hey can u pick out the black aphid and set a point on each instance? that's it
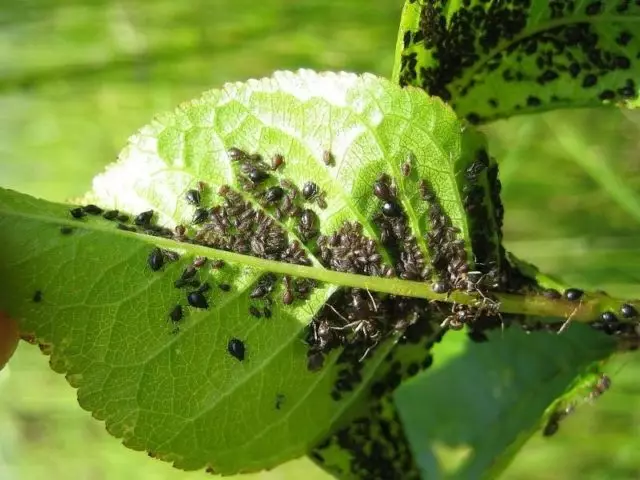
(264, 286)
(225, 287)
(391, 209)
(253, 310)
(608, 317)
(309, 190)
(257, 176)
(144, 218)
(92, 209)
(573, 294)
(273, 194)
(381, 190)
(176, 314)
(439, 287)
(628, 311)
(180, 231)
(277, 161)
(307, 224)
(405, 168)
(196, 299)
(37, 296)
(328, 158)
(199, 262)
(64, 230)
(192, 197)
(551, 293)
(126, 228)
(77, 213)
(215, 264)
(236, 348)
(237, 154)
(122, 217)
(155, 259)
(280, 399)
(199, 216)
(110, 214)
(315, 361)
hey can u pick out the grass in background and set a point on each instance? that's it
(76, 79)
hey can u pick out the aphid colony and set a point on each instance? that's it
(600, 386)
(357, 319)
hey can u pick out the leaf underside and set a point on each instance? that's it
(496, 59)
(171, 387)
(487, 400)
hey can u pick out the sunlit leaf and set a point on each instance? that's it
(167, 383)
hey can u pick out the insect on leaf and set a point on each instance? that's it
(211, 364)
(496, 59)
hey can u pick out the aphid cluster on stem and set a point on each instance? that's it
(349, 250)
(395, 234)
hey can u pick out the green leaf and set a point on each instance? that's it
(496, 59)
(174, 390)
(481, 401)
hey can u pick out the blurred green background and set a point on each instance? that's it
(78, 77)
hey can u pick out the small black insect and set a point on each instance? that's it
(315, 361)
(110, 214)
(199, 216)
(77, 213)
(126, 228)
(328, 158)
(257, 176)
(264, 286)
(628, 311)
(439, 287)
(273, 194)
(122, 217)
(287, 295)
(255, 312)
(180, 230)
(199, 262)
(391, 209)
(176, 314)
(573, 294)
(236, 348)
(266, 311)
(215, 264)
(92, 209)
(37, 296)
(309, 190)
(64, 230)
(553, 424)
(225, 287)
(307, 224)
(196, 299)
(192, 197)
(237, 154)
(382, 191)
(608, 317)
(144, 218)
(277, 161)
(405, 168)
(551, 293)
(280, 399)
(155, 259)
